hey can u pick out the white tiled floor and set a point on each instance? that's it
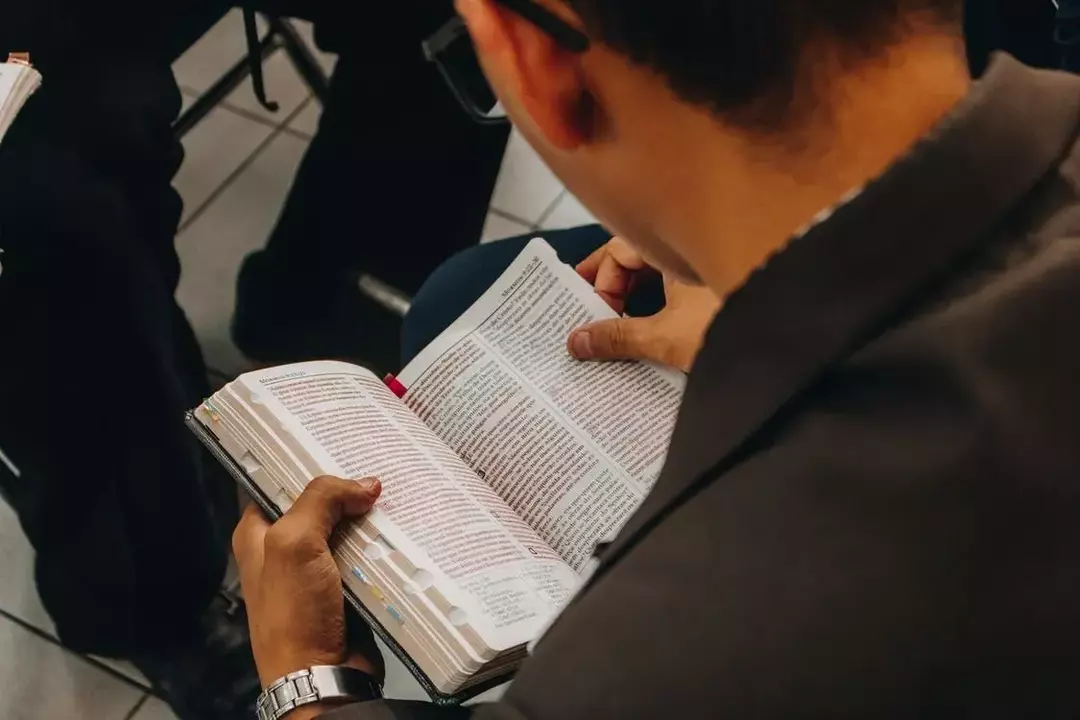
(239, 166)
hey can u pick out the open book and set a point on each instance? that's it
(504, 462)
(18, 81)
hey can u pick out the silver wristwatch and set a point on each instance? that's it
(316, 684)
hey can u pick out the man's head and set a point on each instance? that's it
(673, 88)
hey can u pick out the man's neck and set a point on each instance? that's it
(754, 196)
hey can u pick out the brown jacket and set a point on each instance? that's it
(872, 503)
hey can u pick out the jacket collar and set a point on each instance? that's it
(834, 288)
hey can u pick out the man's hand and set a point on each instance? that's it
(671, 337)
(292, 588)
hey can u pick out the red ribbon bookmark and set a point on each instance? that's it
(395, 386)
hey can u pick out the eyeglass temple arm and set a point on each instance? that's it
(444, 37)
(565, 34)
(569, 37)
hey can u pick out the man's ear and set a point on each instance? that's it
(544, 80)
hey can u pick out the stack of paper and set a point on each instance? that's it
(18, 81)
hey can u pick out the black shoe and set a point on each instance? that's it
(213, 678)
(283, 316)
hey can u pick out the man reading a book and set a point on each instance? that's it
(871, 503)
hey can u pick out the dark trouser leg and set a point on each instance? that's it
(393, 148)
(1022, 28)
(461, 280)
(393, 145)
(981, 33)
(1068, 34)
(98, 363)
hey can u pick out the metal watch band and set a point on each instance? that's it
(318, 683)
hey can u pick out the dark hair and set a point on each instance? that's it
(742, 59)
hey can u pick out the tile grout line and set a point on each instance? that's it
(511, 217)
(42, 635)
(299, 134)
(138, 706)
(231, 178)
(550, 210)
(41, 632)
(235, 109)
(256, 118)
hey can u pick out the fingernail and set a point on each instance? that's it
(368, 485)
(581, 346)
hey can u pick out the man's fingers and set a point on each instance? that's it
(611, 270)
(619, 339)
(249, 531)
(247, 542)
(625, 254)
(613, 283)
(324, 503)
(588, 267)
(327, 500)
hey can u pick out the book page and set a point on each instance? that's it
(17, 82)
(434, 510)
(573, 447)
(10, 73)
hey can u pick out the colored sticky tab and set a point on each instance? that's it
(395, 386)
(214, 416)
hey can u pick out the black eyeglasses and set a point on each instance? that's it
(452, 51)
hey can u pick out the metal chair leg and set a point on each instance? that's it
(302, 58)
(221, 89)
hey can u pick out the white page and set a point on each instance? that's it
(573, 447)
(434, 510)
(9, 76)
(17, 83)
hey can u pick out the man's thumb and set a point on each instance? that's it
(618, 339)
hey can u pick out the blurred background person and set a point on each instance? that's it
(128, 518)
